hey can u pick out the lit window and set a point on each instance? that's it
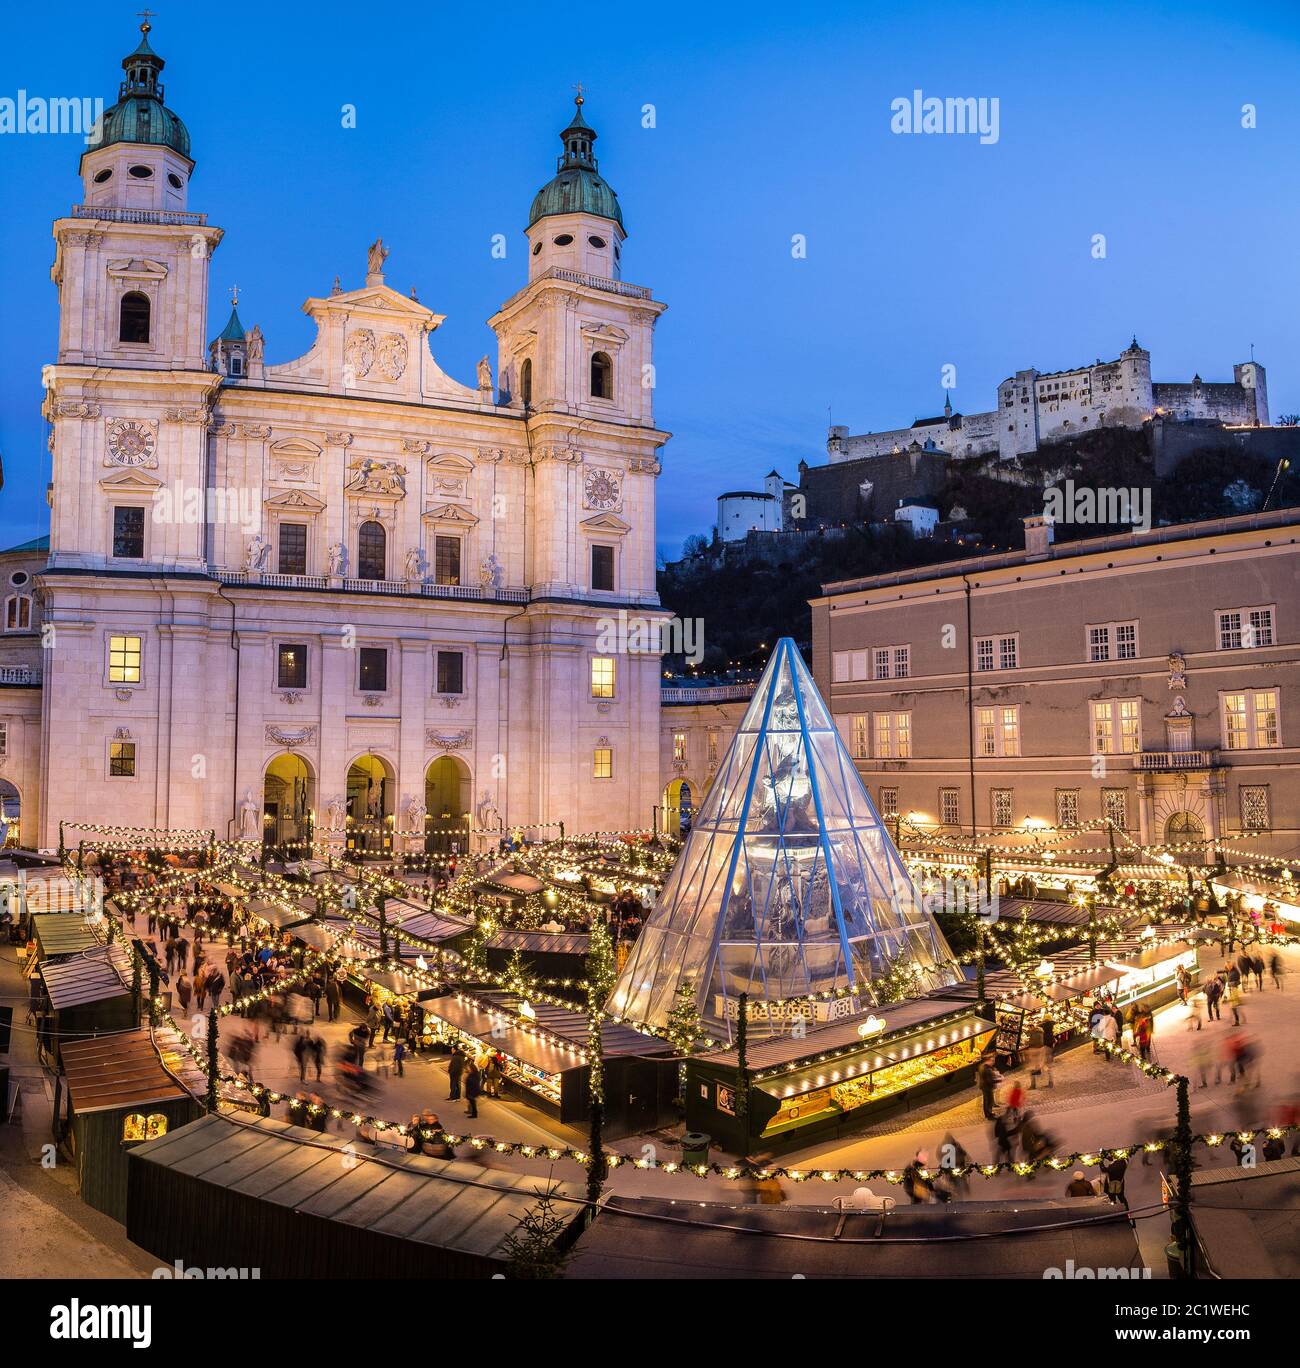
(602, 677)
(679, 747)
(889, 802)
(291, 666)
(860, 737)
(121, 759)
(713, 748)
(1250, 720)
(893, 736)
(602, 763)
(124, 660)
(1116, 726)
(998, 731)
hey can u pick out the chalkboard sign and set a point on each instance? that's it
(1011, 1023)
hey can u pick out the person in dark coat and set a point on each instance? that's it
(1113, 1186)
(455, 1071)
(473, 1086)
(333, 997)
(986, 1076)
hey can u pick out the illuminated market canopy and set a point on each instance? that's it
(788, 885)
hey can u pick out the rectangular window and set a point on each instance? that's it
(679, 747)
(602, 567)
(121, 759)
(1254, 807)
(1098, 643)
(998, 731)
(1250, 720)
(602, 763)
(713, 748)
(902, 661)
(602, 677)
(889, 802)
(1008, 652)
(128, 533)
(1116, 726)
(881, 670)
(893, 736)
(1004, 807)
(18, 613)
(950, 807)
(997, 652)
(372, 675)
(124, 660)
(848, 666)
(4, 739)
(451, 672)
(984, 653)
(1243, 629)
(860, 737)
(1114, 806)
(446, 560)
(291, 666)
(293, 549)
(1067, 807)
(1126, 641)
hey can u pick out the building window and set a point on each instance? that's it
(893, 736)
(133, 317)
(998, 730)
(849, 666)
(124, 660)
(889, 802)
(291, 666)
(446, 560)
(1250, 720)
(602, 677)
(18, 613)
(950, 806)
(984, 653)
(236, 365)
(1116, 726)
(526, 380)
(1245, 628)
(602, 763)
(1004, 807)
(602, 567)
(602, 376)
(372, 551)
(679, 747)
(860, 737)
(890, 662)
(1114, 806)
(1112, 641)
(4, 740)
(451, 672)
(713, 748)
(121, 759)
(372, 674)
(1254, 807)
(139, 1127)
(1067, 807)
(128, 533)
(293, 549)
(997, 652)
(1126, 641)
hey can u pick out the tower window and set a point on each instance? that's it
(372, 543)
(602, 567)
(564, 239)
(236, 365)
(597, 242)
(526, 380)
(174, 180)
(602, 377)
(133, 317)
(128, 533)
(140, 172)
(537, 247)
(102, 176)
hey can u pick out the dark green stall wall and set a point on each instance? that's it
(101, 1152)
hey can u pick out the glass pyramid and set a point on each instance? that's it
(788, 884)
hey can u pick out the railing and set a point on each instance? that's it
(708, 693)
(110, 215)
(19, 674)
(374, 586)
(1176, 760)
(617, 287)
(474, 591)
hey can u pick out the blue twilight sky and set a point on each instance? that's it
(772, 120)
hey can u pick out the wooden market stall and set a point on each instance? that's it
(550, 954)
(83, 995)
(121, 1090)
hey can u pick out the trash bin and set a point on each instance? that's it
(695, 1147)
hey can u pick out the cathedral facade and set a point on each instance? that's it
(346, 596)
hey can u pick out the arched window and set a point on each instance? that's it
(133, 322)
(526, 381)
(371, 549)
(18, 613)
(602, 376)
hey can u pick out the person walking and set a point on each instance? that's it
(1202, 1054)
(300, 1054)
(1213, 994)
(1234, 1001)
(183, 990)
(317, 1047)
(1276, 969)
(333, 997)
(473, 1086)
(455, 1072)
(1079, 1186)
(1143, 1029)
(360, 1037)
(1004, 1138)
(1257, 968)
(214, 983)
(1113, 1184)
(1244, 967)
(399, 1057)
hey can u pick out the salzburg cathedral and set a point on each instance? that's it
(347, 593)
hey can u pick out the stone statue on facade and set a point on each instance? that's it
(248, 817)
(258, 556)
(1177, 663)
(415, 564)
(485, 375)
(337, 556)
(491, 572)
(336, 812)
(379, 477)
(487, 812)
(376, 256)
(415, 814)
(255, 343)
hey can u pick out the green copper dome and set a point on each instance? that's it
(576, 189)
(139, 116)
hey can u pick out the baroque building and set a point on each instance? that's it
(346, 593)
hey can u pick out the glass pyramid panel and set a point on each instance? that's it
(788, 884)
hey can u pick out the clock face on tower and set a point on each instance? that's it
(602, 489)
(132, 442)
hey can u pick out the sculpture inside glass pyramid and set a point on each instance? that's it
(788, 885)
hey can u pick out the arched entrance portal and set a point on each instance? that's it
(1184, 826)
(447, 797)
(372, 790)
(678, 808)
(288, 801)
(11, 805)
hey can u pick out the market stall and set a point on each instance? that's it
(839, 1076)
(544, 1052)
(551, 954)
(84, 995)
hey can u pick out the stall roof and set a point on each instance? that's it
(314, 936)
(777, 1051)
(652, 1237)
(93, 976)
(1058, 913)
(1248, 1220)
(126, 1070)
(542, 942)
(418, 921)
(506, 1033)
(447, 1204)
(280, 917)
(62, 933)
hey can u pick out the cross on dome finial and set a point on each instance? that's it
(146, 15)
(234, 294)
(578, 99)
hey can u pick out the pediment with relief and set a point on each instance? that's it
(609, 524)
(450, 513)
(137, 268)
(295, 500)
(130, 482)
